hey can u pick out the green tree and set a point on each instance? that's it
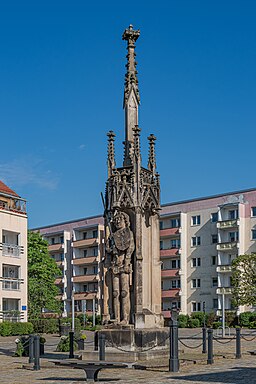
(244, 279)
(42, 272)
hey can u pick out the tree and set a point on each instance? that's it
(42, 272)
(244, 279)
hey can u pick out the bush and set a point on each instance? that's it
(46, 325)
(216, 324)
(200, 317)
(211, 318)
(246, 317)
(230, 318)
(193, 323)
(252, 325)
(8, 328)
(183, 321)
(63, 345)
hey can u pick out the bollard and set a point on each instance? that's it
(238, 343)
(174, 355)
(31, 348)
(96, 341)
(102, 345)
(210, 347)
(36, 353)
(204, 349)
(71, 345)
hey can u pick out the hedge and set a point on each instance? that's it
(8, 328)
(52, 325)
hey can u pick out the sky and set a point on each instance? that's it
(62, 67)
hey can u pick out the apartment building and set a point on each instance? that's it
(77, 247)
(199, 238)
(13, 255)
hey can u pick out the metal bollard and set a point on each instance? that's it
(36, 353)
(204, 349)
(238, 343)
(102, 346)
(71, 345)
(174, 354)
(210, 347)
(31, 348)
(96, 341)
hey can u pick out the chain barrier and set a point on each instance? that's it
(190, 347)
(192, 337)
(108, 344)
(224, 342)
(242, 337)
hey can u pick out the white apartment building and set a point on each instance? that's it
(13, 256)
(199, 238)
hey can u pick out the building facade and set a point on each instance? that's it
(199, 238)
(13, 255)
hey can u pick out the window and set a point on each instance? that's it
(52, 240)
(215, 282)
(253, 234)
(161, 244)
(196, 283)
(95, 270)
(161, 225)
(233, 236)
(175, 223)
(214, 259)
(61, 239)
(195, 220)
(174, 264)
(175, 284)
(233, 214)
(4, 239)
(85, 235)
(95, 251)
(85, 271)
(214, 239)
(215, 303)
(175, 243)
(85, 288)
(95, 233)
(196, 262)
(214, 217)
(196, 240)
(253, 211)
(85, 252)
(196, 307)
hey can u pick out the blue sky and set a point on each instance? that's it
(62, 67)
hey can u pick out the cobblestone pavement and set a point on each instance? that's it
(226, 369)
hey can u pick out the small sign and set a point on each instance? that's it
(23, 307)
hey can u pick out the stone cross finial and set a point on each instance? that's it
(151, 154)
(111, 152)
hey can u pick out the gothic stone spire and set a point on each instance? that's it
(111, 152)
(131, 92)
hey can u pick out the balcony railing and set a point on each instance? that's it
(224, 268)
(224, 290)
(85, 260)
(227, 246)
(170, 252)
(172, 292)
(170, 272)
(14, 205)
(11, 315)
(85, 278)
(12, 250)
(10, 284)
(85, 242)
(227, 224)
(166, 232)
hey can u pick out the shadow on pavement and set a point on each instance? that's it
(235, 376)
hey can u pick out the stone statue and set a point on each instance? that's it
(120, 248)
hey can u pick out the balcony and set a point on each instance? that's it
(85, 295)
(173, 293)
(224, 290)
(14, 205)
(169, 232)
(56, 247)
(224, 268)
(85, 243)
(170, 252)
(85, 260)
(85, 278)
(227, 246)
(58, 281)
(11, 250)
(10, 284)
(169, 272)
(226, 224)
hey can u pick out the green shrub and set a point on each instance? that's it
(193, 323)
(5, 328)
(216, 324)
(183, 321)
(230, 318)
(45, 325)
(22, 328)
(200, 317)
(252, 324)
(246, 317)
(210, 319)
(63, 345)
